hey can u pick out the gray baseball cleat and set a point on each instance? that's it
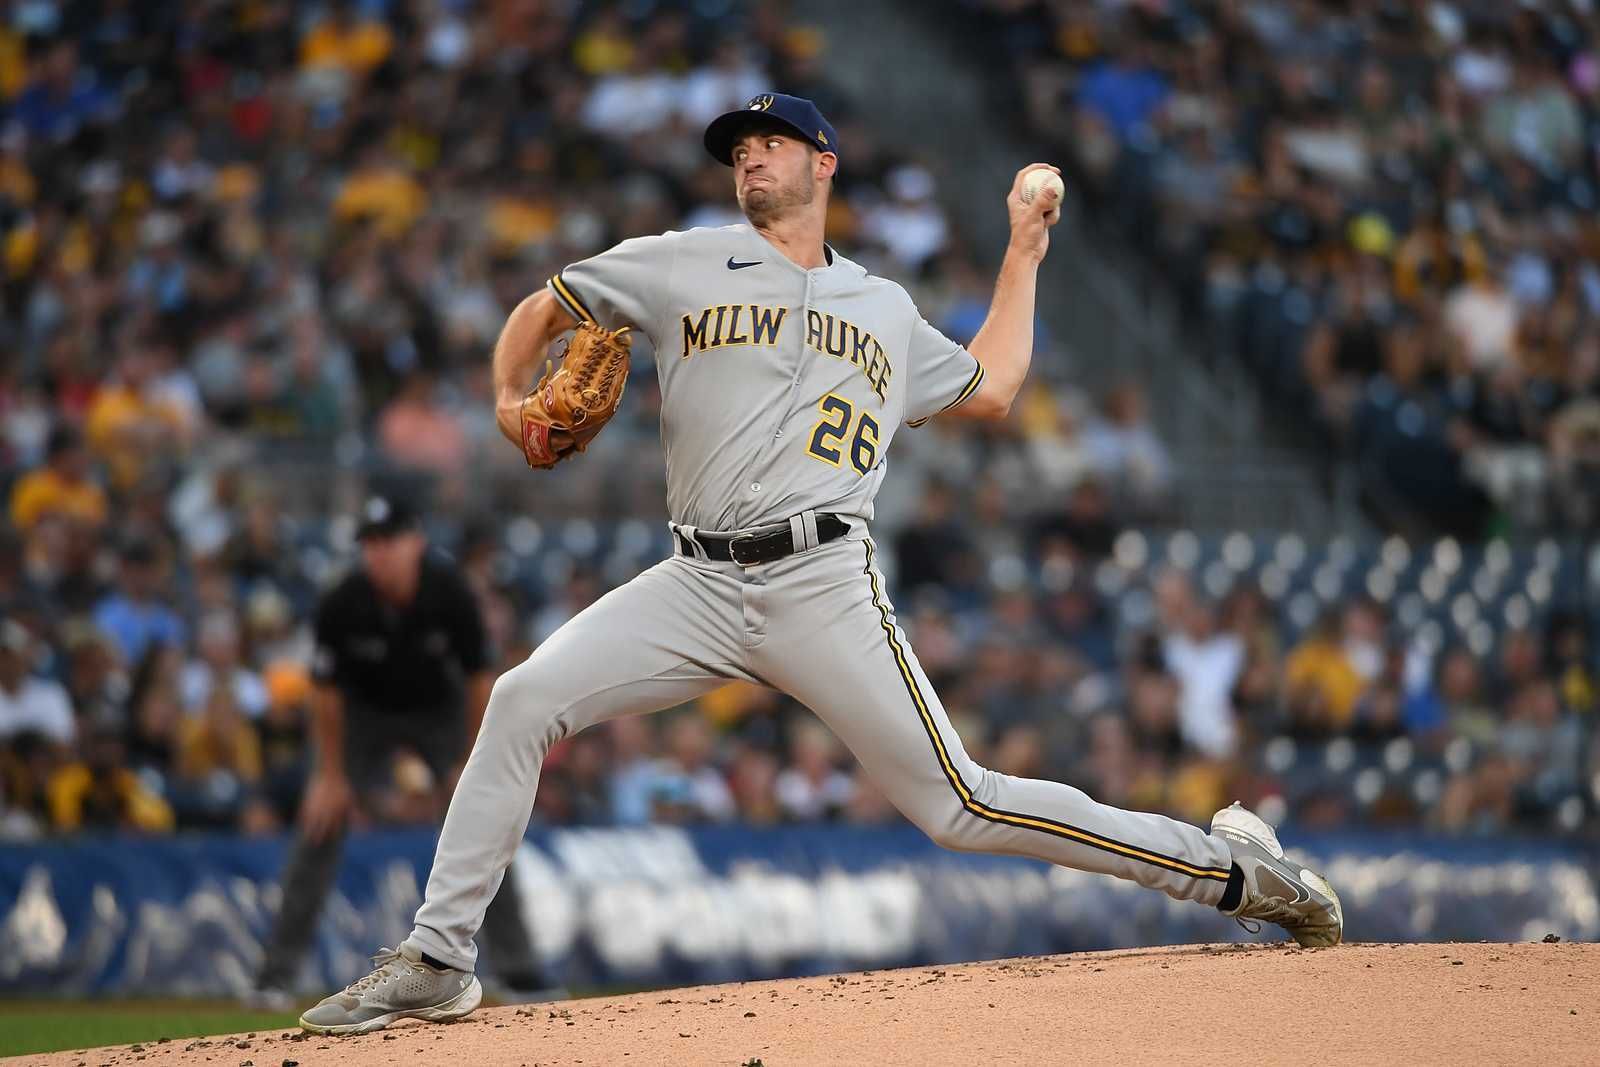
(1276, 889)
(400, 987)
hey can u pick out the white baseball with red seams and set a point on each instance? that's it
(1034, 183)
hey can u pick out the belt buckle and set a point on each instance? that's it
(733, 549)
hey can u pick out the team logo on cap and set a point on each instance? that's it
(761, 103)
(822, 137)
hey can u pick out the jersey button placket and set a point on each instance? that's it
(805, 315)
(800, 361)
(762, 458)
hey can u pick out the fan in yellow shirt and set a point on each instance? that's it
(99, 793)
(1319, 668)
(219, 739)
(346, 42)
(382, 191)
(61, 487)
(128, 425)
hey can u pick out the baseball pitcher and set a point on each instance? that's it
(786, 371)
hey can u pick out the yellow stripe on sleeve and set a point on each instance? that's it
(569, 298)
(966, 391)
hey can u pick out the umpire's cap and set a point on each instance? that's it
(385, 516)
(799, 115)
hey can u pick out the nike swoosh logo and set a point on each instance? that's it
(735, 265)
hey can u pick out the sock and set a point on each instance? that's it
(440, 965)
(1230, 896)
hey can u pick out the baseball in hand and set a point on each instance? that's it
(1037, 181)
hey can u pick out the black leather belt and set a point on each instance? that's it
(762, 544)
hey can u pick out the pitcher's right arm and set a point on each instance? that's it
(519, 353)
(623, 286)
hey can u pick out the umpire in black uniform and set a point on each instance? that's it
(402, 665)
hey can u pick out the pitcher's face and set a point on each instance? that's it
(774, 173)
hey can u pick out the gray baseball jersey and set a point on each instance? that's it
(782, 389)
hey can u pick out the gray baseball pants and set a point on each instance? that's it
(818, 626)
(372, 738)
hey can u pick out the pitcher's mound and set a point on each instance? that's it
(1356, 1004)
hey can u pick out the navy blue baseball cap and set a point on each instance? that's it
(799, 115)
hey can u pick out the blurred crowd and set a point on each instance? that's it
(1387, 207)
(254, 256)
(1331, 686)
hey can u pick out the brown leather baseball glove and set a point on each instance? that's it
(568, 407)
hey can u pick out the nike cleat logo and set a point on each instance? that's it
(1301, 895)
(735, 265)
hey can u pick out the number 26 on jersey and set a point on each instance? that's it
(838, 422)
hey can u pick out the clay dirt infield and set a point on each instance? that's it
(1356, 1004)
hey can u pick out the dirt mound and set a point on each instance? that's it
(1356, 1004)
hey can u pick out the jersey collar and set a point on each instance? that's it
(829, 256)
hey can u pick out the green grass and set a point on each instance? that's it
(28, 1026)
(50, 1026)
